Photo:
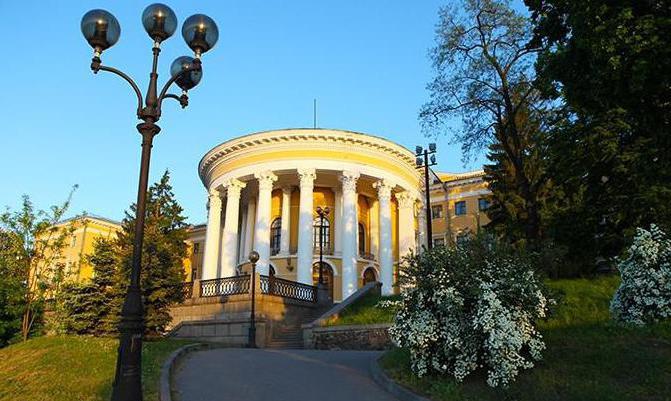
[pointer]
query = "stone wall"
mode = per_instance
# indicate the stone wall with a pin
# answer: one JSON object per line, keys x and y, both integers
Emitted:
{"x": 358, "y": 337}
{"x": 234, "y": 333}
{"x": 226, "y": 319}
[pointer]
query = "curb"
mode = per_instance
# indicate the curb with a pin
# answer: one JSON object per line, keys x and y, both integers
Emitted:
{"x": 164, "y": 393}
{"x": 395, "y": 389}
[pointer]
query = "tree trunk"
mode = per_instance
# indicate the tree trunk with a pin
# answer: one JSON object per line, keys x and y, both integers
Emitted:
{"x": 25, "y": 324}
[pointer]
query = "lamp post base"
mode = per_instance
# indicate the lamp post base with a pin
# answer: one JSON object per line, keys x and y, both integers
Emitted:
{"x": 323, "y": 294}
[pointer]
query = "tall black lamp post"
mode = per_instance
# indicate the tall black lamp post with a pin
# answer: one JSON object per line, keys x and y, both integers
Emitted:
{"x": 253, "y": 258}
{"x": 423, "y": 161}
{"x": 322, "y": 213}
{"x": 101, "y": 30}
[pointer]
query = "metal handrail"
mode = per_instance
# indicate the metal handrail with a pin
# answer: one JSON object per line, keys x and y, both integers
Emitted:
{"x": 288, "y": 289}
{"x": 225, "y": 286}
{"x": 187, "y": 289}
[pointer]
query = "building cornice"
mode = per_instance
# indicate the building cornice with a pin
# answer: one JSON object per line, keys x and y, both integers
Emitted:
{"x": 285, "y": 137}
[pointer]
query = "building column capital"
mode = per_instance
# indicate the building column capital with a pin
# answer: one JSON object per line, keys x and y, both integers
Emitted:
{"x": 233, "y": 187}
{"x": 287, "y": 190}
{"x": 266, "y": 179}
{"x": 384, "y": 188}
{"x": 405, "y": 200}
{"x": 214, "y": 193}
{"x": 349, "y": 179}
{"x": 307, "y": 177}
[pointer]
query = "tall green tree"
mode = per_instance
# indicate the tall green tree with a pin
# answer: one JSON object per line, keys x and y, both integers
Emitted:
{"x": 163, "y": 253}
{"x": 484, "y": 76}
{"x": 89, "y": 307}
{"x": 608, "y": 62}
{"x": 32, "y": 243}
{"x": 11, "y": 289}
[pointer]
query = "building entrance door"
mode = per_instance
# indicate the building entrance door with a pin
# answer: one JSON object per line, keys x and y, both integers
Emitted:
{"x": 327, "y": 276}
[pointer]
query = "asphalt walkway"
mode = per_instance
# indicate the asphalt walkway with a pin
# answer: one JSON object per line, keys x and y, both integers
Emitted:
{"x": 229, "y": 374}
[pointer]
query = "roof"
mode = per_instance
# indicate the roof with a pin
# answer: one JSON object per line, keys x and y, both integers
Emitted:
{"x": 91, "y": 217}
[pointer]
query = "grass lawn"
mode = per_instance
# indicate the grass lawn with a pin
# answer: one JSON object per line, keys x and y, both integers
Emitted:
{"x": 73, "y": 368}
{"x": 364, "y": 311}
{"x": 587, "y": 357}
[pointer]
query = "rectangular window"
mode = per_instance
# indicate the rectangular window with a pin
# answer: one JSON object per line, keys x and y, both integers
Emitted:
{"x": 436, "y": 211}
{"x": 460, "y": 208}
{"x": 438, "y": 242}
{"x": 196, "y": 247}
{"x": 73, "y": 242}
{"x": 483, "y": 204}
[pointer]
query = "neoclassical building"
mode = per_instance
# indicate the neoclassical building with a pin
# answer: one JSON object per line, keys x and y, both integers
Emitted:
{"x": 263, "y": 192}
{"x": 264, "y": 189}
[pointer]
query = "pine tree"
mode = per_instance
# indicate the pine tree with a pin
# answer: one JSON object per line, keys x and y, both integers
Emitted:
{"x": 107, "y": 298}
{"x": 163, "y": 253}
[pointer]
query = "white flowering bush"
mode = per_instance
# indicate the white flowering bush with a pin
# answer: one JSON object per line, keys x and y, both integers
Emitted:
{"x": 389, "y": 304}
{"x": 644, "y": 295}
{"x": 469, "y": 308}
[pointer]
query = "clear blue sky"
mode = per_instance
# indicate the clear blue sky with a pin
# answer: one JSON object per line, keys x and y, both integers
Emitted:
{"x": 365, "y": 61}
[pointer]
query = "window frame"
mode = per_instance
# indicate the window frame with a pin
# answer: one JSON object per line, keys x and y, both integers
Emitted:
{"x": 361, "y": 236}
{"x": 458, "y": 210}
{"x": 485, "y": 200}
{"x": 433, "y": 214}
{"x": 326, "y": 239}
{"x": 275, "y": 236}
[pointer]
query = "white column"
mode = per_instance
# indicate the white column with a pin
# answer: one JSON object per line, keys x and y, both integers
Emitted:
{"x": 349, "y": 232}
{"x": 375, "y": 229}
{"x": 249, "y": 230}
{"x": 305, "y": 226}
{"x": 337, "y": 222}
{"x": 212, "y": 236}
{"x": 386, "y": 259}
{"x": 286, "y": 221}
{"x": 262, "y": 227}
{"x": 230, "y": 237}
{"x": 242, "y": 236}
{"x": 406, "y": 219}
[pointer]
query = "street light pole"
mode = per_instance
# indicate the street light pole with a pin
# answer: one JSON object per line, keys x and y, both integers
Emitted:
{"x": 322, "y": 213}
{"x": 424, "y": 162}
{"x": 101, "y": 30}
{"x": 253, "y": 258}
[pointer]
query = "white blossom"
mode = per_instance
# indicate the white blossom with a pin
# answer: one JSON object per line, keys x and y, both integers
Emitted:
{"x": 644, "y": 295}
{"x": 455, "y": 323}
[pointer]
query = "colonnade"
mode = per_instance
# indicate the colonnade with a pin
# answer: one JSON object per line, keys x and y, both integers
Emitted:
{"x": 227, "y": 246}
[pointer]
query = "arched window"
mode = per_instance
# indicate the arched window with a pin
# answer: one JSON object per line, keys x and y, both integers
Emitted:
{"x": 325, "y": 233}
{"x": 362, "y": 239}
{"x": 275, "y": 236}
{"x": 369, "y": 276}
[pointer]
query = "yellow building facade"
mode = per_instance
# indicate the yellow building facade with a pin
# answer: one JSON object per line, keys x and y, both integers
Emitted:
{"x": 263, "y": 191}
{"x": 84, "y": 232}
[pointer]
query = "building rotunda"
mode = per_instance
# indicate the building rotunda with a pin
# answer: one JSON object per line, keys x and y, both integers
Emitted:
{"x": 264, "y": 189}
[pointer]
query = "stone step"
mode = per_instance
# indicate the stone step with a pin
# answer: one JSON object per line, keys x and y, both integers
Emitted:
{"x": 285, "y": 344}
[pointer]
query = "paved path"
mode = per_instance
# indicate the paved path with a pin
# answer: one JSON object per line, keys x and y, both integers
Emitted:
{"x": 278, "y": 375}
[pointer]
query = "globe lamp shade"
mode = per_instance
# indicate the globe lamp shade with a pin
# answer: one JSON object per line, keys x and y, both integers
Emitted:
{"x": 159, "y": 21}
{"x": 191, "y": 75}
{"x": 200, "y": 33}
{"x": 101, "y": 29}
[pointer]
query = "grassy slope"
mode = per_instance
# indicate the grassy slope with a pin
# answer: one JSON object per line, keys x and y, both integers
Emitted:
{"x": 364, "y": 312}
{"x": 72, "y": 368}
{"x": 588, "y": 358}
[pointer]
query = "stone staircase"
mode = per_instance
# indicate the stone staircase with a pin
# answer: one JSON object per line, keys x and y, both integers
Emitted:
{"x": 289, "y": 334}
